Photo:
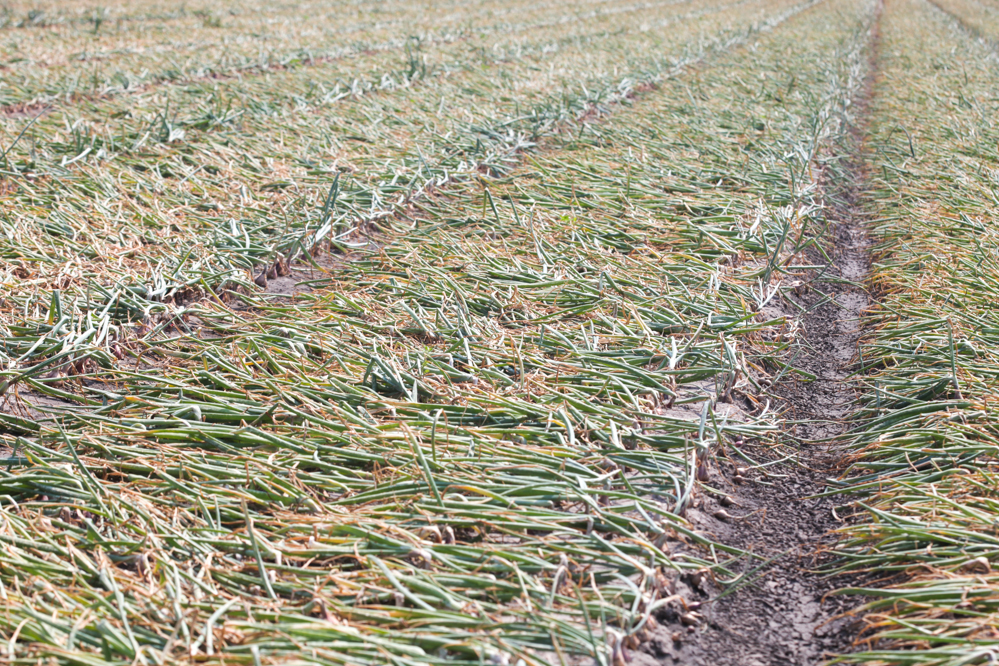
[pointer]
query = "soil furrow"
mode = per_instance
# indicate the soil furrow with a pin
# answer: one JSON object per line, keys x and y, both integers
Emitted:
{"x": 783, "y": 610}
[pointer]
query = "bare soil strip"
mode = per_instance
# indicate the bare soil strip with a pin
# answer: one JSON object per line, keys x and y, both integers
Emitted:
{"x": 782, "y": 614}
{"x": 784, "y": 611}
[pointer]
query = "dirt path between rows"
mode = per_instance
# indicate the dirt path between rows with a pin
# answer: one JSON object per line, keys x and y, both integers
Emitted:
{"x": 782, "y": 612}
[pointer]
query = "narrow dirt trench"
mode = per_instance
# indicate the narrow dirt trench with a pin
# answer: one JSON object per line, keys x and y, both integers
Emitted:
{"x": 781, "y": 612}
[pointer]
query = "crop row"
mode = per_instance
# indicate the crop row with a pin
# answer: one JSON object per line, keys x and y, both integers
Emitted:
{"x": 925, "y": 441}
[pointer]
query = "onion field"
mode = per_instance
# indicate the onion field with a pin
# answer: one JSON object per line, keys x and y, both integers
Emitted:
{"x": 481, "y": 332}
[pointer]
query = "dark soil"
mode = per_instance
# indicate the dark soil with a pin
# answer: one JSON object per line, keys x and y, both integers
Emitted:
{"x": 783, "y": 612}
